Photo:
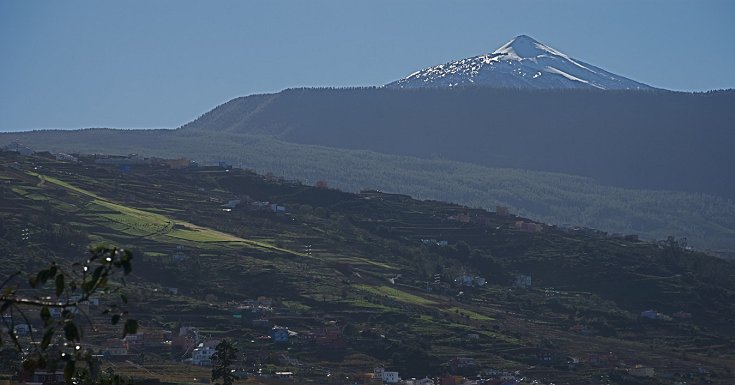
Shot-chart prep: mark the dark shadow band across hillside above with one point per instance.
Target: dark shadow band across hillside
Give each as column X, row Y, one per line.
column 707, row 221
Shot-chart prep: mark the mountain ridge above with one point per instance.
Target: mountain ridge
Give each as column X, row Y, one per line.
column 406, row 140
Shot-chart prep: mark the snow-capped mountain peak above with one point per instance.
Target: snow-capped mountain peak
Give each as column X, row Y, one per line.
column 520, row 63
column 524, row 47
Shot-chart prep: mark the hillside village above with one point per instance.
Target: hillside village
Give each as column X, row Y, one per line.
column 320, row 286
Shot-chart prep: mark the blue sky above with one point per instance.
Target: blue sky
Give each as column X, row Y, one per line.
column 146, row 64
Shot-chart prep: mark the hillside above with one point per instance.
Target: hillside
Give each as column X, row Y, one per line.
column 634, row 139
column 708, row 222
column 386, row 269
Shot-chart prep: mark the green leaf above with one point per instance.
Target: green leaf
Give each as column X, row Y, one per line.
column 59, row 284
column 45, row 315
column 124, row 298
column 131, row 327
column 69, row 370
column 47, row 338
column 71, row 332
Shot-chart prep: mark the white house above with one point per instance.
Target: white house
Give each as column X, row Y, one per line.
column 202, row 356
column 386, row 377
column 469, row 281
column 279, row 334
column 391, row 377
column 523, row 281
column 652, row 314
column 66, row 157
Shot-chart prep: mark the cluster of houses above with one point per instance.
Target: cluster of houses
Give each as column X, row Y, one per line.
column 25, row 150
column 133, row 344
column 501, row 211
column 19, row 148
column 27, row 327
column 493, row 376
column 254, row 205
column 485, row 377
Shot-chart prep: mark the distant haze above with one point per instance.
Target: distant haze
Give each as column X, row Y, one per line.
column 143, row 64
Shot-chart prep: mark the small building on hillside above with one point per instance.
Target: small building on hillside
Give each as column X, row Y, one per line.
column 462, row 363
column 261, row 323
column 41, row 377
column 176, row 164
column 329, row 336
column 179, row 255
column 134, row 342
column 641, row 371
column 529, row 227
column 470, row 281
column 423, row 381
column 386, row 376
column 279, row 334
column 462, row 218
column 522, row 281
column 650, row 314
column 451, row 380
column 114, row 347
column 66, row 157
column 472, row 337
column 202, row 355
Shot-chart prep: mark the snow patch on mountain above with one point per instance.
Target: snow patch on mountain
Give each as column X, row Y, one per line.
column 521, row 63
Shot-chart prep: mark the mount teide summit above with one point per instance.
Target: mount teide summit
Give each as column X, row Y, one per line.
column 521, row 63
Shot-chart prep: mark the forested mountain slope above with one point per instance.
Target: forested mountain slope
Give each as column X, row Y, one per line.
column 708, row 222
column 636, row 139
